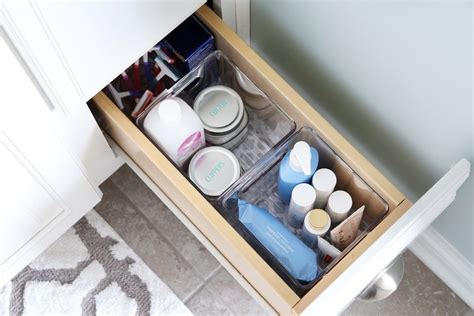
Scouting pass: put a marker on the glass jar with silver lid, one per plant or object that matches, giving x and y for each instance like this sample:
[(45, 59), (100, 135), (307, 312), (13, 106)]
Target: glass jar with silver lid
[(222, 114)]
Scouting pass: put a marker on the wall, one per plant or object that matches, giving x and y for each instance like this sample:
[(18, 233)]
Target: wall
[(395, 79)]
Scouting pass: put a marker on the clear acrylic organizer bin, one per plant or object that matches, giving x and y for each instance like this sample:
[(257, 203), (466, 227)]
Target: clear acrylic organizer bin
[(259, 187), (267, 124)]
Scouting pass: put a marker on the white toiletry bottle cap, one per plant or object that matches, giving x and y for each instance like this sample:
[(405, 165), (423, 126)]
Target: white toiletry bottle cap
[(300, 158), (319, 220), (316, 222), (301, 202), (303, 196), (339, 205), (170, 112), (324, 180)]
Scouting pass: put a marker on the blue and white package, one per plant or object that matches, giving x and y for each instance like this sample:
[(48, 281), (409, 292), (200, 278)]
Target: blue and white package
[(292, 253)]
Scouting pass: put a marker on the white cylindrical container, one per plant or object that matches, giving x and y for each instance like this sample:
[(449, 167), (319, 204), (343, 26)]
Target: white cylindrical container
[(324, 181), (214, 169), (316, 223), (301, 202), (174, 127), (339, 205), (222, 114)]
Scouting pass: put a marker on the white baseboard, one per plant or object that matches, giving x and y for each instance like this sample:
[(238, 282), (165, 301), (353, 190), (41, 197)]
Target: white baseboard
[(446, 262)]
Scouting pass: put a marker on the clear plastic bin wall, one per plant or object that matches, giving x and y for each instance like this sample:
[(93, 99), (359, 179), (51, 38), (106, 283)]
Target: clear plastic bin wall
[(267, 124), (259, 187)]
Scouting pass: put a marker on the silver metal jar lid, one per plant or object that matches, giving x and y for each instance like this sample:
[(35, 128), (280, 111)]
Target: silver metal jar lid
[(220, 109), (213, 170)]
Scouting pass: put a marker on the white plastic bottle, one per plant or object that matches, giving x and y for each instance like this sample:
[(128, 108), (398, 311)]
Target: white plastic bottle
[(339, 205), (316, 223), (301, 202), (324, 182), (176, 129)]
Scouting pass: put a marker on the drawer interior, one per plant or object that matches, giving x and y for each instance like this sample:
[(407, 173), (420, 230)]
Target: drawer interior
[(202, 213)]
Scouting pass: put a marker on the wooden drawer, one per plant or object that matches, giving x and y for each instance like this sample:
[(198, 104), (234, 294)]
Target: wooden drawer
[(356, 269)]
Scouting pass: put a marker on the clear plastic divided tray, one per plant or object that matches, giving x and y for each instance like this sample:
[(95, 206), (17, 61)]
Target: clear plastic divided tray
[(266, 125), (259, 187)]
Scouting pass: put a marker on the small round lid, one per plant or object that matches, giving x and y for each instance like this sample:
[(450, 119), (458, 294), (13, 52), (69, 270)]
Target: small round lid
[(214, 169), (318, 218), (340, 201), (303, 195), (169, 111), (324, 180), (220, 108)]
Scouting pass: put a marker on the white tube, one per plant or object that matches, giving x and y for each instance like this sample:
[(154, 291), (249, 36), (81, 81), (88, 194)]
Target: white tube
[(301, 202), (329, 252), (324, 182), (339, 205)]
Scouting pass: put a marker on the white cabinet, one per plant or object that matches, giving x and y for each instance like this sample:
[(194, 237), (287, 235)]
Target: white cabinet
[(75, 49), (26, 206), (95, 40), (51, 148), (109, 34), (43, 188)]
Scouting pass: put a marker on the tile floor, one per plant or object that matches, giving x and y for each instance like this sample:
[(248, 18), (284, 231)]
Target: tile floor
[(180, 260)]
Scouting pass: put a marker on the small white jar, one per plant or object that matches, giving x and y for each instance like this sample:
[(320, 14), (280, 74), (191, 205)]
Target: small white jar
[(301, 202), (213, 170), (316, 223), (324, 181), (222, 114), (339, 205)]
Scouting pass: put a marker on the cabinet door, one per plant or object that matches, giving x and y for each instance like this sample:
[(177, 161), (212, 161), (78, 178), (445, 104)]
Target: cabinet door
[(43, 188), (26, 205), (98, 40)]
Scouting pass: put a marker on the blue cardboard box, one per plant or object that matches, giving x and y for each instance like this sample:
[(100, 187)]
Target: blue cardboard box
[(189, 43)]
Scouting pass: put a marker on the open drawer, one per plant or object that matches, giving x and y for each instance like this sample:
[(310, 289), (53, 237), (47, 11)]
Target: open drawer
[(351, 274)]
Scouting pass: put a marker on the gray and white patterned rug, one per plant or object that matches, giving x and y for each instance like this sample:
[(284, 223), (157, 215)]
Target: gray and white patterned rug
[(89, 271)]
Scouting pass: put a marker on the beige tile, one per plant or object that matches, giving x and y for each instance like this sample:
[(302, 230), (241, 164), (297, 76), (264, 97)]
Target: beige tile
[(233, 295), (205, 302), (165, 221), (420, 293), (141, 236)]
